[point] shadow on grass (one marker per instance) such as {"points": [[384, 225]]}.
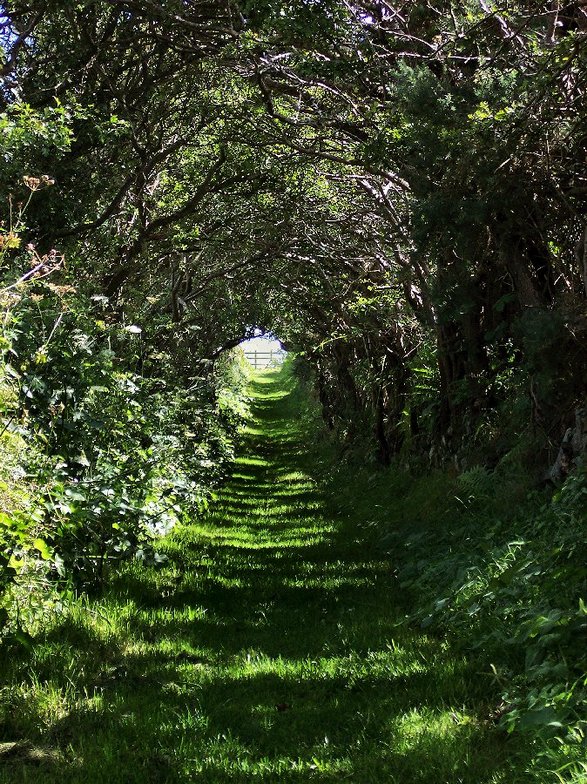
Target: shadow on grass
{"points": [[268, 648]]}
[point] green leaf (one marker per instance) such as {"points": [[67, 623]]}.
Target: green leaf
{"points": [[23, 638], [544, 717], [15, 563], [43, 548]]}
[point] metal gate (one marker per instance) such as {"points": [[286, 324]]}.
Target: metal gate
{"points": [[265, 359]]}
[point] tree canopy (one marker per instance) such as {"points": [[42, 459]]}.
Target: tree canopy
{"points": [[397, 190]]}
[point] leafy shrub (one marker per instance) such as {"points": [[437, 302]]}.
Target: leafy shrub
{"points": [[121, 456]]}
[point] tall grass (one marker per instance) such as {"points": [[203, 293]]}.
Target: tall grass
{"points": [[496, 568]]}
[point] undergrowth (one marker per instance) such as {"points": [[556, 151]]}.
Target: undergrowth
{"points": [[498, 568], [322, 620]]}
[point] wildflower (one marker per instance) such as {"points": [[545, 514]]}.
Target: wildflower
{"points": [[35, 183], [10, 240]]}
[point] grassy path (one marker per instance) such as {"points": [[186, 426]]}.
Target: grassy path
{"points": [[266, 650]]}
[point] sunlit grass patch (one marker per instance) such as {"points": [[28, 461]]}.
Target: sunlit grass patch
{"points": [[350, 670], [330, 583], [240, 475], [252, 461]]}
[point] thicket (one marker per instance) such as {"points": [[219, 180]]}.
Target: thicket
{"points": [[101, 458], [108, 438]]}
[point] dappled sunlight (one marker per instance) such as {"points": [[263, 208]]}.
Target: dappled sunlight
{"points": [[269, 647], [333, 582], [254, 461]]}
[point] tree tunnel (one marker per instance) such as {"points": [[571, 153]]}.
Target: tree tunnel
{"points": [[396, 191], [346, 180]]}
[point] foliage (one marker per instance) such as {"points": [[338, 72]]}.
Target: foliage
{"points": [[397, 190], [406, 177], [497, 571], [128, 455], [118, 456]]}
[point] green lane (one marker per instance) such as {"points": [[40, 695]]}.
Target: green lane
{"points": [[268, 648]]}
